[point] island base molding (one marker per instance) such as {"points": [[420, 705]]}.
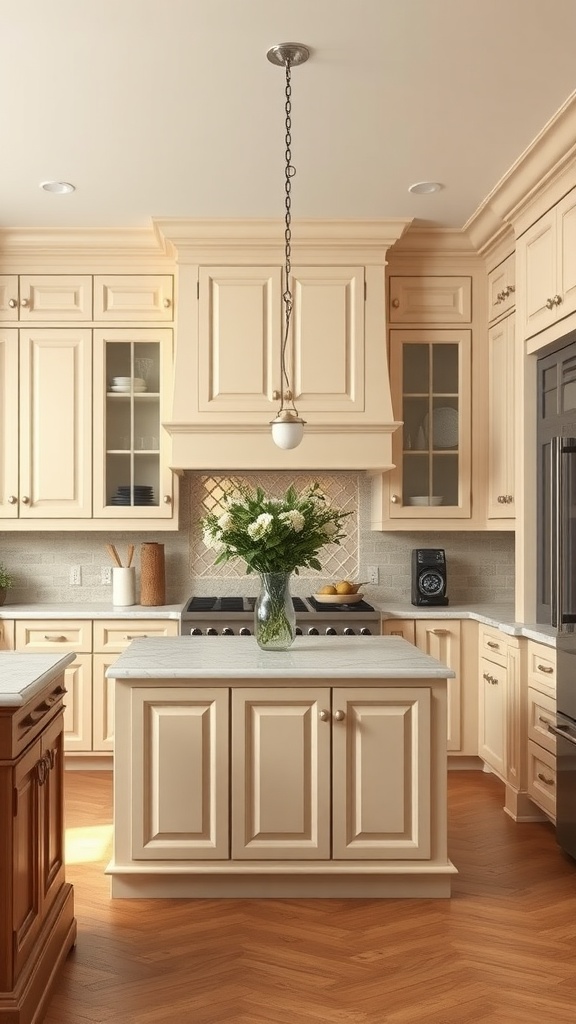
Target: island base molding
{"points": [[392, 882]]}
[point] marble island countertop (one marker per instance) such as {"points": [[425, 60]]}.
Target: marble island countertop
{"points": [[94, 610], [321, 657], [22, 674]]}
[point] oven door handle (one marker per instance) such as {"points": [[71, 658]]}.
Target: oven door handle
{"points": [[563, 732]]}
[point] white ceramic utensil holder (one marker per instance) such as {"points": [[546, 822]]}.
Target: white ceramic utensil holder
{"points": [[123, 586]]}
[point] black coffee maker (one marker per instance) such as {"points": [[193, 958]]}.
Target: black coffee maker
{"points": [[429, 576]]}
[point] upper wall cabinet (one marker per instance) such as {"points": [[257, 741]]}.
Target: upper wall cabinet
{"points": [[501, 425], [546, 264], [61, 297], [502, 288], [430, 300], [139, 297]]}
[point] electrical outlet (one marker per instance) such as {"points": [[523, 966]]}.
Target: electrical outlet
{"points": [[75, 576], [106, 575], [373, 574]]}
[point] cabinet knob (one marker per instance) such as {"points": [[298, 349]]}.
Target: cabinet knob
{"points": [[167, 499], [557, 300], [339, 716], [24, 302], [12, 303], [12, 499], [167, 303], [25, 500], [324, 716], [395, 499], [549, 303], [395, 303]]}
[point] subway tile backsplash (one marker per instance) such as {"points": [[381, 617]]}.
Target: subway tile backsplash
{"points": [[480, 565]]}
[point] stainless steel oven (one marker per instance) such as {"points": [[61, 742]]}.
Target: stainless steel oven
{"points": [[234, 616]]}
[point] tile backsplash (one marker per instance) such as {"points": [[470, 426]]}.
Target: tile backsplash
{"points": [[480, 565]]}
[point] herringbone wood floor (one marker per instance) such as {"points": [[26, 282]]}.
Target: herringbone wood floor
{"points": [[501, 951]]}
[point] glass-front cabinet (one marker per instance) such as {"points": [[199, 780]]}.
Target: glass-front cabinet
{"points": [[430, 376], [132, 368]]}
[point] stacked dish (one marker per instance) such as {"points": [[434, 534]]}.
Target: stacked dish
{"points": [[126, 385], [139, 494]]}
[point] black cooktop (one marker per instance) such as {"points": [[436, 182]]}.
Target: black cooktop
{"points": [[227, 605]]}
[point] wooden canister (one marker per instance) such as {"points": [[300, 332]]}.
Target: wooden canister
{"points": [[152, 575]]}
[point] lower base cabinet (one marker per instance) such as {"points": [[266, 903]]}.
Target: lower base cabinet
{"points": [[541, 673], [300, 781], [37, 926]]}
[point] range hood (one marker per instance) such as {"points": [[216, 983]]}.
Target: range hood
{"points": [[227, 345]]}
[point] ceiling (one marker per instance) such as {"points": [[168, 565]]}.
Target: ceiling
{"points": [[169, 108]]}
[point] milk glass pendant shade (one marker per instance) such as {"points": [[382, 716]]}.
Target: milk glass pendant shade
{"points": [[287, 427]]}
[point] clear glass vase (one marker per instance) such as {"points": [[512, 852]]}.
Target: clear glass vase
{"points": [[274, 615]]}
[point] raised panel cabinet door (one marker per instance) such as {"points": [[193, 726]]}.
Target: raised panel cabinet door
{"points": [[566, 221], [55, 424], [51, 785], [430, 300], [26, 857], [381, 757], [102, 703], [501, 423], [78, 704], [179, 753], [8, 297], [55, 297], [492, 716], [281, 774], [136, 297], [537, 272], [441, 639], [327, 350], [9, 461], [240, 322], [502, 288]]}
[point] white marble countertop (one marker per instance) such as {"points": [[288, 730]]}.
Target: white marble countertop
{"points": [[319, 657], [90, 611], [22, 674], [501, 616]]}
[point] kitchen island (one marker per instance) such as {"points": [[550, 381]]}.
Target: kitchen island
{"points": [[319, 771]]}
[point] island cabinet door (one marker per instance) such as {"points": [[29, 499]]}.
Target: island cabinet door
{"points": [[179, 753], [281, 774], [381, 754]]}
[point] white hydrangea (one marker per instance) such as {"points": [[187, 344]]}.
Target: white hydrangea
{"points": [[295, 518], [329, 529], [261, 526], [225, 521]]}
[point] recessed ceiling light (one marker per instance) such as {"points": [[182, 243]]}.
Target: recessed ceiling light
{"points": [[423, 188], [58, 187]]}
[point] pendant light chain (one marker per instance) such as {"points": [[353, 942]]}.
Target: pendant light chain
{"points": [[289, 173]]}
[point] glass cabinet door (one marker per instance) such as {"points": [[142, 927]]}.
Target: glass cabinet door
{"points": [[431, 387], [132, 368]]}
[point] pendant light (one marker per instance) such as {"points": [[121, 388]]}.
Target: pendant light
{"points": [[288, 426]]}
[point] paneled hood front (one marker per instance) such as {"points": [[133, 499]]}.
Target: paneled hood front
{"points": [[228, 339]]}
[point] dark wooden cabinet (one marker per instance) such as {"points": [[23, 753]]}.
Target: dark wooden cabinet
{"points": [[37, 926]]}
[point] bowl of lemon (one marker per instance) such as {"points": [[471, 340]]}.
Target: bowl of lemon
{"points": [[343, 592]]}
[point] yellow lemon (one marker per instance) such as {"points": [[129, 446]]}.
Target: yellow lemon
{"points": [[344, 587], [328, 590]]}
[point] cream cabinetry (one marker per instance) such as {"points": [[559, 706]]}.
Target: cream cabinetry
{"points": [[450, 641], [240, 309], [89, 703], [541, 671], [45, 297], [502, 288], [546, 263], [6, 635], [500, 707], [430, 300], [501, 422], [47, 402], [431, 384], [137, 297], [278, 777]]}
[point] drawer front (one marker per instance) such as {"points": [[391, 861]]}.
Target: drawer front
{"points": [[406, 628], [501, 288], [542, 667], [31, 719], [115, 635], [542, 778], [492, 646], [140, 297], [541, 713], [54, 635]]}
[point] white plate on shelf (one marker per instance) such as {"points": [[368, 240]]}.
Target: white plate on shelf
{"points": [[444, 427], [338, 598], [125, 389], [423, 499]]}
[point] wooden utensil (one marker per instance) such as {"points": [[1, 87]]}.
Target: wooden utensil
{"points": [[130, 555], [114, 555]]}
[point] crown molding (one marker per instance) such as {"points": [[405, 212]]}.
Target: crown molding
{"points": [[97, 246]]}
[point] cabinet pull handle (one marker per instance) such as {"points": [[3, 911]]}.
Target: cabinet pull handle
{"points": [[545, 721], [324, 716], [493, 645], [440, 632], [339, 716], [167, 303], [545, 779], [54, 639], [12, 303], [134, 636], [545, 668]]}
